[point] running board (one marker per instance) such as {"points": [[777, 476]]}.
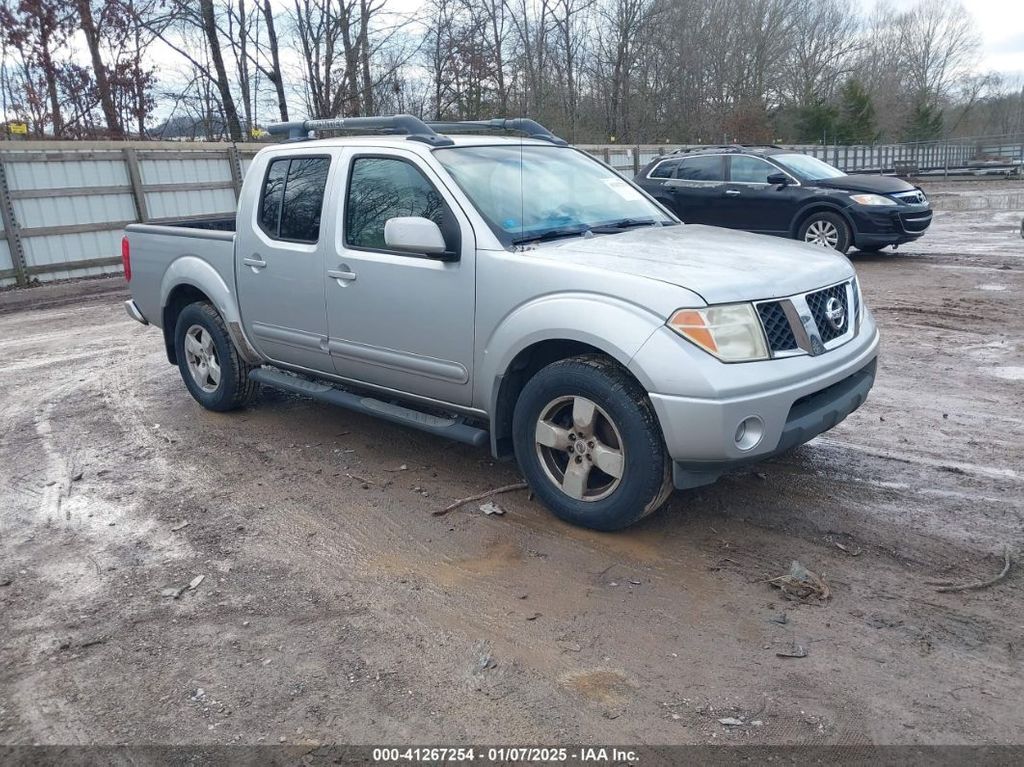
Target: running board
{"points": [[451, 427]]}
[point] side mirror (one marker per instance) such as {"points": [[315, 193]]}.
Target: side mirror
{"points": [[414, 234], [778, 179]]}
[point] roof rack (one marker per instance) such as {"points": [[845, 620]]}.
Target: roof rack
{"points": [[413, 127], [531, 128], [724, 147]]}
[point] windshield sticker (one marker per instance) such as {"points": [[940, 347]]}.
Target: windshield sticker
{"points": [[624, 190]]}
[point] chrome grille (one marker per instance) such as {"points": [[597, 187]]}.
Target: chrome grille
{"points": [[776, 327], [801, 324], [915, 197], [821, 303]]}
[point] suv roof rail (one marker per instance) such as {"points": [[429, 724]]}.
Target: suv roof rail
{"points": [[531, 128], [413, 127], [724, 147]]}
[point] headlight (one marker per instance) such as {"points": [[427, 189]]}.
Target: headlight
{"points": [[872, 199], [731, 332]]}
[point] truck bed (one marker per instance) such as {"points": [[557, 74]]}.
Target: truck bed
{"points": [[223, 224]]}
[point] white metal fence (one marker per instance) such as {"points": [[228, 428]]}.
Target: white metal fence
{"points": [[63, 204]]}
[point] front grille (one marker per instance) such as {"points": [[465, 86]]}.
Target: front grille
{"points": [[819, 303], [776, 327], [915, 197]]}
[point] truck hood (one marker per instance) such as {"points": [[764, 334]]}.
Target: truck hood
{"points": [[721, 265]]}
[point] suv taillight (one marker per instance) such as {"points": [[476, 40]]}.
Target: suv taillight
{"points": [[126, 259]]}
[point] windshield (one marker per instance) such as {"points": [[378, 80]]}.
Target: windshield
{"points": [[810, 168], [533, 192]]}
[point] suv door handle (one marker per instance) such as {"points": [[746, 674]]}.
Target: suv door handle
{"points": [[254, 261], [732, 192], [339, 274]]}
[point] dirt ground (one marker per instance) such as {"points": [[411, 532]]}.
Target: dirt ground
{"points": [[335, 608]]}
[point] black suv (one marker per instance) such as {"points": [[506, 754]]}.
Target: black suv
{"points": [[777, 191]]}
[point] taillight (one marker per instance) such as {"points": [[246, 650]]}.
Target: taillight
{"points": [[126, 259]]}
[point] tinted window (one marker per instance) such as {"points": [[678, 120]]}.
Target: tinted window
{"points": [[273, 193], [304, 199], [382, 188], [751, 170], [293, 196], [706, 168], [665, 169]]}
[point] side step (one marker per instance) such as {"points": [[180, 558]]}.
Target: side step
{"points": [[450, 427]]}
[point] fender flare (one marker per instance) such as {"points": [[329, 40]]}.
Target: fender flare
{"points": [[194, 271]]}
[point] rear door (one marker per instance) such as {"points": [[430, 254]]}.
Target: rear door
{"points": [[697, 187], [279, 256], [398, 320], [751, 203]]}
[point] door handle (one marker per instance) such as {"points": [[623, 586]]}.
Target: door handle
{"points": [[254, 261], [732, 192], [340, 274]]}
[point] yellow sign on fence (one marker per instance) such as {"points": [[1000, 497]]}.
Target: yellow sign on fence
{"points": [[20, 129]]}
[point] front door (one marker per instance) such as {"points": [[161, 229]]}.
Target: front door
{"points": [[400, 320], [280, 258], [754, 204]]}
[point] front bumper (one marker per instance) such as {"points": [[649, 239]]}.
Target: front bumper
{"points": [[888, 226], [794, 399]]}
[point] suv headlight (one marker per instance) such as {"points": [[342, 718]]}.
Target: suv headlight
{"points": [[731, 332], [872, 199]]}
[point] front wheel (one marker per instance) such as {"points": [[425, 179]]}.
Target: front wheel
{"points": [[215, 375], [588, 442], [829, 230]]}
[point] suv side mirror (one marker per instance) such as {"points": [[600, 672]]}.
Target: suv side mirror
{"points": [[778, 179], [414, 234]]}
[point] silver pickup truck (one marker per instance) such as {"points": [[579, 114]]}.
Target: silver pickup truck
{"points": [[511, 291]]}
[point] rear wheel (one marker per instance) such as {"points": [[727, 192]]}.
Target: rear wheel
{"points": [[215, 375], [588, 442], [829, 230]]}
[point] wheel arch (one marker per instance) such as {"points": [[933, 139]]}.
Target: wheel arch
{"points": [[527, 363], [820, 206], [189, 279]]}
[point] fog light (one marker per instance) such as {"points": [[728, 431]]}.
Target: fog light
{"points": [[749, 432]]}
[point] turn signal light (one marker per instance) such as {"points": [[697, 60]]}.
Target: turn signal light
{"points": [[126, 259]]}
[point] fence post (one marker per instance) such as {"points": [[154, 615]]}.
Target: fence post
{"points": [[636, 159], [131, 161], [12, 230], [235, 164]]}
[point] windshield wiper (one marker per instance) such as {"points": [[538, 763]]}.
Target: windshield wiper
{"points": [[625, 223], [552, 234]]}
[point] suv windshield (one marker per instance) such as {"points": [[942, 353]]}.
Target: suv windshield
{"points": [[538, 192], [807, 167]]}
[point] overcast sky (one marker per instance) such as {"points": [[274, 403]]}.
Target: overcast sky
{"points": [[1001, 24]]}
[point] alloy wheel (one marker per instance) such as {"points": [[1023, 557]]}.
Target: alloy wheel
{"points": [[823, 233], [201, 356], [580, 448]]}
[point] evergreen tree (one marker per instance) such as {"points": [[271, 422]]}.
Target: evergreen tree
{"points": [[856, 121], [925, 122]]}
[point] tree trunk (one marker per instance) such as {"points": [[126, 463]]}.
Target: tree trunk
{"points": [[275, 61], [223, 84], [92, 39]]}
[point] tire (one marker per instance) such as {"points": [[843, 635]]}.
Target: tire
{"points": [[623, 435], [215, 375], [829, 230]]}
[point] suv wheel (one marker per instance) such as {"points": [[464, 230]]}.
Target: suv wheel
{"points": [[589, 444], [216, 377], [829, 230]]}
